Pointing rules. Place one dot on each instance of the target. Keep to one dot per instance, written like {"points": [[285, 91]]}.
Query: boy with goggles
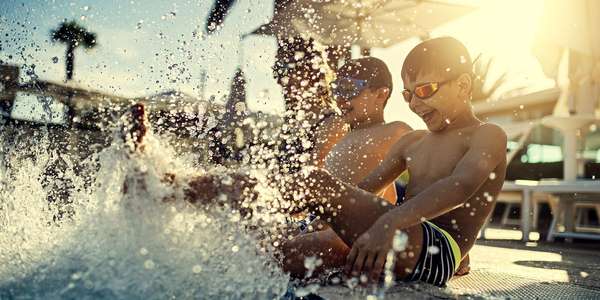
{"points": [[361, 91], [457, 169]]}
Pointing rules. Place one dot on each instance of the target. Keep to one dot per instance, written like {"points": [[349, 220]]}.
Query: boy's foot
{"points": [[464, 267], [232, 189], [463, 271], [134, 127]]}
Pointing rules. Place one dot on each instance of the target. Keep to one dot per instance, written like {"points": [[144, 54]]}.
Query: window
{"points": [[537, 153]]}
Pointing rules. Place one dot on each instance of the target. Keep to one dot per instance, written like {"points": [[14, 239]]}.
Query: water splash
{"points": [[123, 243]]}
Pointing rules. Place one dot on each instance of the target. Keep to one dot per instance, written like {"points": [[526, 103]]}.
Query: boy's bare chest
{"points": [[433, 158], [357, 155], [359, 145]]}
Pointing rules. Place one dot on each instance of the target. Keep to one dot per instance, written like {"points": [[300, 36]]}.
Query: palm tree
{"points": [[73, 35]]}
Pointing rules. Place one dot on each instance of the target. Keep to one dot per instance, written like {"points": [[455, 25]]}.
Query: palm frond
{"points": [[481, 70], [70, 32]]}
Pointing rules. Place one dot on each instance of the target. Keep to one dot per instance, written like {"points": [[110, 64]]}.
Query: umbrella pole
{"points": [[241, 52], [570, 160]]}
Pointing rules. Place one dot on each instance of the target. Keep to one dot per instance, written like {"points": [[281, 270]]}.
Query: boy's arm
{"points": [[390, 168], [486, 152]]}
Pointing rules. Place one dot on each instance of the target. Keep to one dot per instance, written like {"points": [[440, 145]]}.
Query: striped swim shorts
{"points": [[440, 257]]}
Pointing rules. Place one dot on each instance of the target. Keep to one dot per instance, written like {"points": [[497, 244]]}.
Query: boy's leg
{"points": [[325, 245], [350, 211]]}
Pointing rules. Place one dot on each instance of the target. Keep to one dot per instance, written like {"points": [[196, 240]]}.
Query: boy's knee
{"points": [[406, 260], [316, 174]]}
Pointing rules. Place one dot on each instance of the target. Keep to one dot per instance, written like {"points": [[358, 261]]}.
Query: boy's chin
{"points": [[435, 127]]}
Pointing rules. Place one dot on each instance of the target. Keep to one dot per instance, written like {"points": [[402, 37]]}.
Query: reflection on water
{"points": [[95, 241]]}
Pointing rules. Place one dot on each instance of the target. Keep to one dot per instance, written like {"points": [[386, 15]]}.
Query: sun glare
{"points": [[502, 30]]}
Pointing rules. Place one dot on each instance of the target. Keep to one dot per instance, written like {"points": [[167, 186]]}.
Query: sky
{"points": [[146, 47]]}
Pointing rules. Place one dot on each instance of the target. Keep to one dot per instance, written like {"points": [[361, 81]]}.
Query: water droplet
{"points": [[352, 282], [448, 69], [433, 250], [149, 264], [88, 284], [400, 241], [492, 176], [235, 248], [86, 8], [447, 121], [363, 278], [76, 276], [55, 59], [227, 180], [298, 55], [196, 269], [143, 251], [311, 263]]}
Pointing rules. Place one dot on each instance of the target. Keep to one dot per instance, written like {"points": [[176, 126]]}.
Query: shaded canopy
{"points": [[372, 23]]}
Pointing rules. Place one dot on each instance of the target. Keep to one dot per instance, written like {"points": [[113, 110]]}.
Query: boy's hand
{"points": [[370, 250]]}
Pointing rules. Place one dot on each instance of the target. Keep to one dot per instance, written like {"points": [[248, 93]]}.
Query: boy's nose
{"points": [[413, 104], [417, 105]]}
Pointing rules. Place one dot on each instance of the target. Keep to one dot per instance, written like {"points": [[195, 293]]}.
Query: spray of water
{"points": [[125, 232]]}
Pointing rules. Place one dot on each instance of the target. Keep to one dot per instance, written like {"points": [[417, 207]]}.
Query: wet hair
{"points": [[444, 54], [372, 69]]}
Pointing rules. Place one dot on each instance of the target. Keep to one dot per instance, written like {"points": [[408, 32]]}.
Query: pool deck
{"points": [[505, 268]]}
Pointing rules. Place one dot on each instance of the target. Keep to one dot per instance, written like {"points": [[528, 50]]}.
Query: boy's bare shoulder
{"points": [[410, 138], [399, 125], [398, 129], [415, 135], [491, 131], [490, 139]]}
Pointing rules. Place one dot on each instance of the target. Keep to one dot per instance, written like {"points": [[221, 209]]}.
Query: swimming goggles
{"points": [[423, 91], [347, 88]]}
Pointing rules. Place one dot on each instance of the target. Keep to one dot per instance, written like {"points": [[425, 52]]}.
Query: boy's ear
{"points": [[465, 84], [383, 93]]}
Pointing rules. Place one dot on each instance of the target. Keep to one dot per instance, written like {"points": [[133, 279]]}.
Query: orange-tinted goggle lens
{"points": [[423, 91], [426, 90]]}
